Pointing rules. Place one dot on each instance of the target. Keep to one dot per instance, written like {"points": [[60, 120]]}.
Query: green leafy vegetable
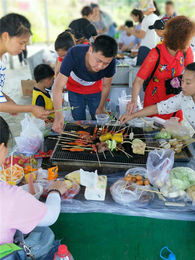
{"points": [[182, 177], [163, 134], [111, 144]]}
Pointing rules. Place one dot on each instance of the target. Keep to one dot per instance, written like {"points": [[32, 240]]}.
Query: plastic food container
{"points": [[138, 122], [134, 51], [38, 189], [102, 118], [17, 181]]}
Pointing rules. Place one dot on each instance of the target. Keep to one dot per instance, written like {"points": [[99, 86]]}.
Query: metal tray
{"points": [[86, 158], [184, 156]]}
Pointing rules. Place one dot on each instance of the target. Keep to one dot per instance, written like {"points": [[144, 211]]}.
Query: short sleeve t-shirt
{"points": [[169, 67], [3, 63], [176, 103], [83, 26], [151, 39], [126, 39], [80, 79], [137, 28], [18, 210]]}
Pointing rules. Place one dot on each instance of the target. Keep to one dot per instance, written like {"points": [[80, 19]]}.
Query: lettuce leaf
{"points": [[163, 134], [182, 177]]}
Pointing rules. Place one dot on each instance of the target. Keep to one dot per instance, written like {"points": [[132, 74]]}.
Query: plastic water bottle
{"points": [[171, 255], [124, 94], [108, 106], [63, 254]]}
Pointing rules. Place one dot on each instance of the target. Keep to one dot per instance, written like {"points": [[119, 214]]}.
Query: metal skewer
{"points": [[121, 129]]}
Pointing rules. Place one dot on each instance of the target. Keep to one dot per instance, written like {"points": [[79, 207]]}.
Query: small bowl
{"points": [[17, 181], [102, 118], [38, 189]]}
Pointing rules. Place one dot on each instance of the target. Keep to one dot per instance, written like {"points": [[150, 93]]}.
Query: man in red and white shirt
{"points": [[87, 72]]}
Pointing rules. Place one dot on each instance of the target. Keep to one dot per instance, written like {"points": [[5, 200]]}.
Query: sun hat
{"points": [[145, 5]]}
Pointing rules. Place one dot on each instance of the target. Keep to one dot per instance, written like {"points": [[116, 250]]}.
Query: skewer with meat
{"points": [[94, 137], [99, 132], [77, 144], [125, 135], [83, 133], [119, 146], [122, 131], [74, 149], [106, 130], [87, 138], [95, 150], [102, 147]]}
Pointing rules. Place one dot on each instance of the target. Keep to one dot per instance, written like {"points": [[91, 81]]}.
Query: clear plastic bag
{"points": [[137, 170], [129, 193], [159, 164], [39, 123], [30, 139], [175, 129], [45, 184], [71, 193]]}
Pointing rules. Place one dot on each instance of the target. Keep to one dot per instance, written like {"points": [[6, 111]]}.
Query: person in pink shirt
{"points": [[19, 210]]}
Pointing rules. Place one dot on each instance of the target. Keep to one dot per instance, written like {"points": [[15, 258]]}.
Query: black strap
{"points": [[156, 66], [184, 55]]}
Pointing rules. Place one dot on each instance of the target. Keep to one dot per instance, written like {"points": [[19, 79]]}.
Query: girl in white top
{"points": [[185, 101], [14, 34], [149, 38]]}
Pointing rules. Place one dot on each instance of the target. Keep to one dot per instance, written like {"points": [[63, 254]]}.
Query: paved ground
{"points": [[12, 88]]}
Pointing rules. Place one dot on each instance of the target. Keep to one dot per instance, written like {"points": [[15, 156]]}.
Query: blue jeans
{"points": [[81, 100], [142, 54]]}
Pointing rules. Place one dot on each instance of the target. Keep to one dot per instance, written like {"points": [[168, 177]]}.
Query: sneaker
{"points": [[25, 62]]}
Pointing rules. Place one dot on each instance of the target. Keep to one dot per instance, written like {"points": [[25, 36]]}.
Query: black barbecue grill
{"points": [[88, 158]]}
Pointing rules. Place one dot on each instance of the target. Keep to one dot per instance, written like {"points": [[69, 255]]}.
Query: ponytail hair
{"points": [[139, 14]]}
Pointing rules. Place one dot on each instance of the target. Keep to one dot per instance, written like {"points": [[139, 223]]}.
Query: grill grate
{"points": [[60, 155]]}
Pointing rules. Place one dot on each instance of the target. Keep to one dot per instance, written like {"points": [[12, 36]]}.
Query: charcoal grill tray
{"points": [[60, 156]]}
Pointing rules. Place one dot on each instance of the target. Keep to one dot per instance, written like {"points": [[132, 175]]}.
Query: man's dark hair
{"points": [[129, 24], [106, 45], [86, 11], [191, 66], [15, 25], [169, 3], [43, 71], [64, 41], [5, 132]]}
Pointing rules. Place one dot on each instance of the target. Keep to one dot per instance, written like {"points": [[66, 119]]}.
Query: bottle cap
{"points": [[62, 250], [172, 257], [108, 99]]}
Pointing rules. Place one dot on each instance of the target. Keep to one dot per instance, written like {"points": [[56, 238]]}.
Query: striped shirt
{"points": [[3, 63]]}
